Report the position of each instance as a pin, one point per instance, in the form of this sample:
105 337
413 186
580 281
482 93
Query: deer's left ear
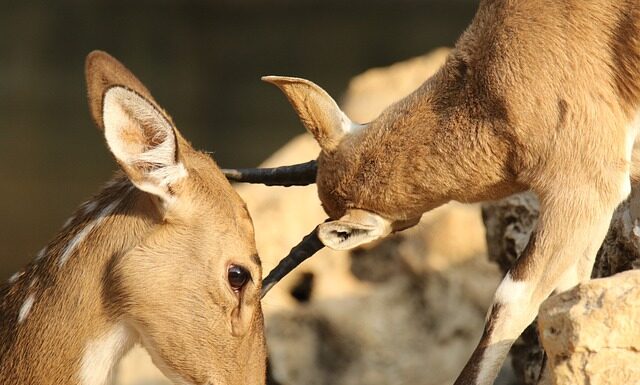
318 112
142 140
355 228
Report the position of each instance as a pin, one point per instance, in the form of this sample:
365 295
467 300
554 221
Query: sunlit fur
537 94
144 264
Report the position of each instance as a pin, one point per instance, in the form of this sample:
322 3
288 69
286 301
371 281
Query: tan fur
537 94
159 269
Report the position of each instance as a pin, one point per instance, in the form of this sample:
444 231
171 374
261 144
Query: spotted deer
540 95
163 256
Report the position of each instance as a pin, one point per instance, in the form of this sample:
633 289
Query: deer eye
237 276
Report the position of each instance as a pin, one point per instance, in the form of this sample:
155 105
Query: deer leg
567 238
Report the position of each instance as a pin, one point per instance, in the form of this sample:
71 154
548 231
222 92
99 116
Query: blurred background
202 60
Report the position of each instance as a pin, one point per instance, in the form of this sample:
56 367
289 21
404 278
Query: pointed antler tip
309 245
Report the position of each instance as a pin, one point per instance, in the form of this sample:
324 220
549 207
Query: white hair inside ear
143 142
356 228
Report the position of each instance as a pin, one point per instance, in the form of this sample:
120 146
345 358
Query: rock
591 333
509 223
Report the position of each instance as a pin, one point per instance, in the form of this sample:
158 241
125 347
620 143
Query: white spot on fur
78 238
68 222
25 308
41 254
90 207
348 126
511 291
101 355
15 277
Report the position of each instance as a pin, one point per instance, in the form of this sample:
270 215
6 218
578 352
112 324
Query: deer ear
103 71
141 137
142 140
318 112
357 227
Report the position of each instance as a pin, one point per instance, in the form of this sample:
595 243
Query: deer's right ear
143 141
141 137
318 112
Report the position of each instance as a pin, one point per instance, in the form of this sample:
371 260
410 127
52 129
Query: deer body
541 95
145 261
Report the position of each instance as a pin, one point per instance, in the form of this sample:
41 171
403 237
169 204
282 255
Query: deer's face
191 288
355 177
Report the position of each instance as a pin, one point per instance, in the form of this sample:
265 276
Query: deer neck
446 141
56 325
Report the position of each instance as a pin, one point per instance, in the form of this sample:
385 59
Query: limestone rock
591 333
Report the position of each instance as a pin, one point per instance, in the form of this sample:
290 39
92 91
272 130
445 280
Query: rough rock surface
591 332
407 310
509 223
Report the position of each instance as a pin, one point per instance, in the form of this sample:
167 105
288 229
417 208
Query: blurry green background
202 60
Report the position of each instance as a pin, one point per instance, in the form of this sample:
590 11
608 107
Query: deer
540 95
163 256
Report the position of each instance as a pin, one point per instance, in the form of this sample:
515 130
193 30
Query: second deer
540 95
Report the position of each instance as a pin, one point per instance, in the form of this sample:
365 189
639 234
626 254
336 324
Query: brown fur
537 94
160 270
487 124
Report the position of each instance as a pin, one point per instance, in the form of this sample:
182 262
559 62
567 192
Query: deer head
357 184
380 177
190 288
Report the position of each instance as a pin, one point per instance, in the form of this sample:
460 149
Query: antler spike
309 245
302 174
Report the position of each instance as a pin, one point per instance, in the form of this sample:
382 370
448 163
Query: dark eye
238 277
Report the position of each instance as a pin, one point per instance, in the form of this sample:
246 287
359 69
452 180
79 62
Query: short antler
309 245
302 174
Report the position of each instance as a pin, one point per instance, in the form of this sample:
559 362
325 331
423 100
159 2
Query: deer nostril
238 277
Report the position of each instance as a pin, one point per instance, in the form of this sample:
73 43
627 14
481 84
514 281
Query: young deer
537 94
164 256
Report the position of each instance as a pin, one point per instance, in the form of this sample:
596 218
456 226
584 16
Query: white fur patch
511 291
68 222
491 361
14 277
102 354
41 254
348 126
25 309
90 207
75 241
